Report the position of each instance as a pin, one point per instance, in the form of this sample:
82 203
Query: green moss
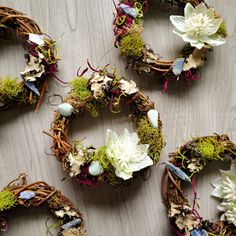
7 200
222 31
80 88
209 148
151 136
132 45
10 88
93 107
101 157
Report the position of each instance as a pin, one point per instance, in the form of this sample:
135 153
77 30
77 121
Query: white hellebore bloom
198 26
225 188
126 154
128 87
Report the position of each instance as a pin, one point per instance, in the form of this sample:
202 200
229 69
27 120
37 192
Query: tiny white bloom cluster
198 26
225 188
76 161
66 211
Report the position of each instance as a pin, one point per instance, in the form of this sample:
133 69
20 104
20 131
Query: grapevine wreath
124 156
20 193
182 167
200 27
41 58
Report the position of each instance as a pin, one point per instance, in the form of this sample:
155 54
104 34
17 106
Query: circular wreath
122 157
188 161
200 27
41 58
20 193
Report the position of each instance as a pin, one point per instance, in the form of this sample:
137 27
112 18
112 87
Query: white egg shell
153 118
95 168
65 109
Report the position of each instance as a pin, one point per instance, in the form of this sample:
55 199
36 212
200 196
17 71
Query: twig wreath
41 58
124 156
200 27
182 167
20 193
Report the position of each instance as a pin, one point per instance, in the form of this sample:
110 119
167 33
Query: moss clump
222 31
151 136
10 89
132 45
101 157
93 107
209 148
80 88
136 28
7 200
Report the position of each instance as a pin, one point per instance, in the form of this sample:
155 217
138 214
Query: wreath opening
183 166
41 55
123 156
20 193
201 28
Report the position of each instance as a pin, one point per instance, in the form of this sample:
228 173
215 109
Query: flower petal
217 192
188 10
214 27
201 8
178 22
123 175
147 161
214 41
198 45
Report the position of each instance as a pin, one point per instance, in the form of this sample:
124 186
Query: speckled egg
153 118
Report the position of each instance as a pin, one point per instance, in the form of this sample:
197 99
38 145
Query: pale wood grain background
84 31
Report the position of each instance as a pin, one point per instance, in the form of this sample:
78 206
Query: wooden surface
84 31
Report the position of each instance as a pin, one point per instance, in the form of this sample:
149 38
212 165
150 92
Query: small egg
153 118
65 109
95 168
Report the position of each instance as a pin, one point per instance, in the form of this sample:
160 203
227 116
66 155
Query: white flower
99 83
128 87
225 188
126 154
76 161
198 26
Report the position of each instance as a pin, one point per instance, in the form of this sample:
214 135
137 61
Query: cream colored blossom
99 83
225 188
126 154
76 161
198 26
128 87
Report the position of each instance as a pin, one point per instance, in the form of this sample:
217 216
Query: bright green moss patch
10 88
132 45
101 157
209 148
80 88
151 136
7 200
